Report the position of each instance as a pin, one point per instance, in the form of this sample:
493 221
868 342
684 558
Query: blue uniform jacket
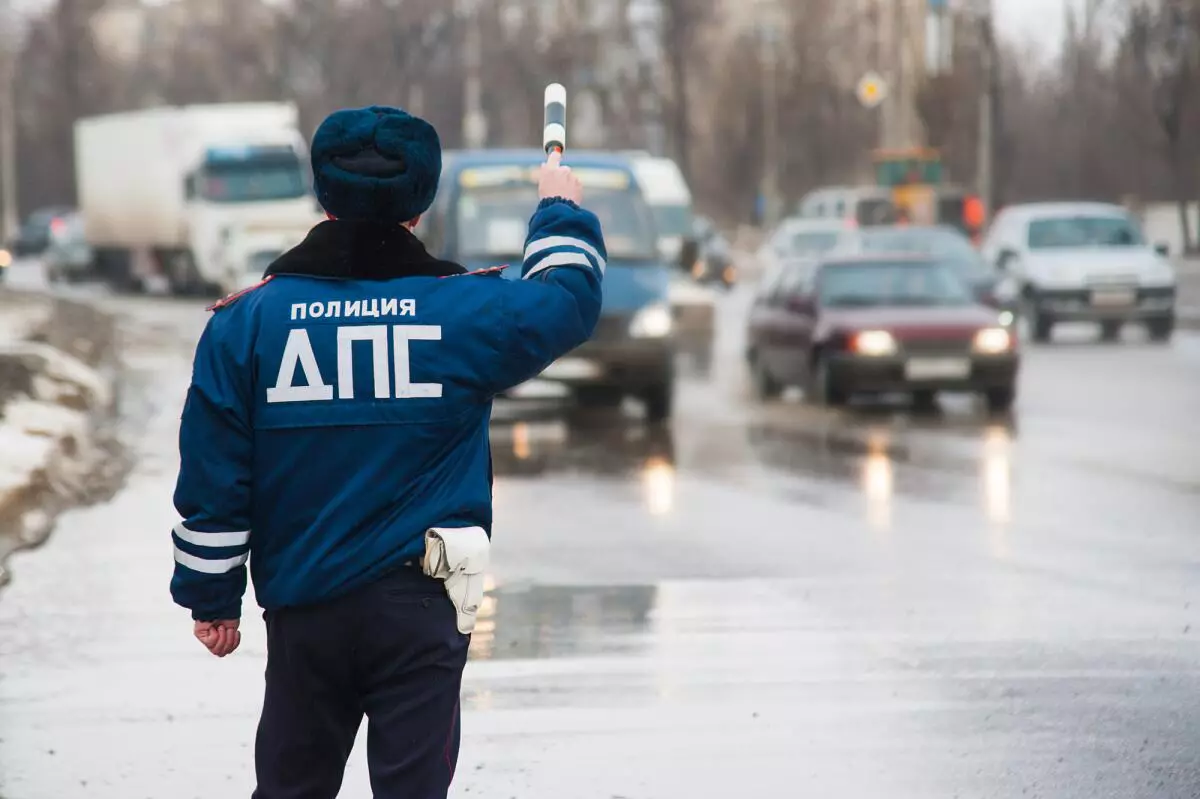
341 409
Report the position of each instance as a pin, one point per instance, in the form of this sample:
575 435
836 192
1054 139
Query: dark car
878 324
945 243
34 235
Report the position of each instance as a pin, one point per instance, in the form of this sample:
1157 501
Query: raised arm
556 304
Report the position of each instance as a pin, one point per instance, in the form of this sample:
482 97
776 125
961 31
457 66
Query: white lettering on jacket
298 356
334 309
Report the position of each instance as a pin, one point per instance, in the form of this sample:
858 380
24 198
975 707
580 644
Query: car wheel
658 402
1110 331
598 396
1161 329
1040 327
1000 400
822 388
765 386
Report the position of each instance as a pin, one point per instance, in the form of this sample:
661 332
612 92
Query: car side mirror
189 187
1162 249
1005 261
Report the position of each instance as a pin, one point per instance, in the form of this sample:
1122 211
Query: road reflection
535 447
544 621
885 455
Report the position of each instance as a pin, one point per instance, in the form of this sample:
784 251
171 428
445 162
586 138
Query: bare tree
1165 40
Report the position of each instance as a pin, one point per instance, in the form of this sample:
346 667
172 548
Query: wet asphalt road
757 601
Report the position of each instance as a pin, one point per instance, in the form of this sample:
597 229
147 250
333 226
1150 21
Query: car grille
613 327
936 346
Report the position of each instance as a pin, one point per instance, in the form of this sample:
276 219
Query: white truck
692 305
670 201
192 196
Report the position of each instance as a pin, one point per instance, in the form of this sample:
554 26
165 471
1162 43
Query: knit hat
379 164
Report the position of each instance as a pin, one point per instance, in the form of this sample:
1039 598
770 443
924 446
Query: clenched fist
556 180
219 637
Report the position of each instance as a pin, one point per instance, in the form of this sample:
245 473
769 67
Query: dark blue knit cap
378 163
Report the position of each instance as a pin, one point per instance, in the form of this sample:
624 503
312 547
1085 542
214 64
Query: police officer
335 436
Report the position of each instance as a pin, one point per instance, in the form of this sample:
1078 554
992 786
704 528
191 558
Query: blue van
481 218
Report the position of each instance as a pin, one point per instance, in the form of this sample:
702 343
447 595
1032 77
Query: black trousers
390 651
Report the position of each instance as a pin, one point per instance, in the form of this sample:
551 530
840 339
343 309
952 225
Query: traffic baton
554 131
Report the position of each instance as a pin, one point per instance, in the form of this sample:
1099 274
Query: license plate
937 368
572 369
1109 298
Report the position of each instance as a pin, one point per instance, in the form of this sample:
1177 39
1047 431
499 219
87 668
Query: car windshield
889 284
253 180
1084 231
948 246
672 220
492 221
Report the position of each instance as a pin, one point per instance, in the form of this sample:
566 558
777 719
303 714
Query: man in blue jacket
338 412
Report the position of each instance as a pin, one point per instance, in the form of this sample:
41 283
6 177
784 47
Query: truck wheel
1161 329
1000 400
1110 331
658 401
925 400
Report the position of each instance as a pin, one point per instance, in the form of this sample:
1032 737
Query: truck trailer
166 192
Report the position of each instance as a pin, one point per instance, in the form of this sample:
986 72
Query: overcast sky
1039 21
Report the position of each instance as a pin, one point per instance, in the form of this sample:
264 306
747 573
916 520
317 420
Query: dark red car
878 324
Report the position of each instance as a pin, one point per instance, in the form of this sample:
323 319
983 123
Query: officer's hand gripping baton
554 132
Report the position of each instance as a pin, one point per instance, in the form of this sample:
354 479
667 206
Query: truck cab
243 200
480 219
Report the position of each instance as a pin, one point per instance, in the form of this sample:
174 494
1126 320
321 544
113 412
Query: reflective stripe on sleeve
574 259
563 241
209 566
231 539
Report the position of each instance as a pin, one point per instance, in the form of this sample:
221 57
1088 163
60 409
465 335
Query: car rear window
889 284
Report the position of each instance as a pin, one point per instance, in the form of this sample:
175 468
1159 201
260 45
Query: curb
59 422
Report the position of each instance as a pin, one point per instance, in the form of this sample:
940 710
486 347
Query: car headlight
6 258
652 322
873 342
993 340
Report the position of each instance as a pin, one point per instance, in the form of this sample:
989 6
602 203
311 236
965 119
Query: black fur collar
353 250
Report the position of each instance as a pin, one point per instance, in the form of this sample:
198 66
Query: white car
1083 262
799 238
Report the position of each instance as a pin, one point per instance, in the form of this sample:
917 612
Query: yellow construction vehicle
919 190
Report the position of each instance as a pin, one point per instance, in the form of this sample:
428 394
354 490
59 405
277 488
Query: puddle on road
545 621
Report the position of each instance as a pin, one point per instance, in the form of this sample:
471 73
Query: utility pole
10 45
474 119
985 159
768 25
8 144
